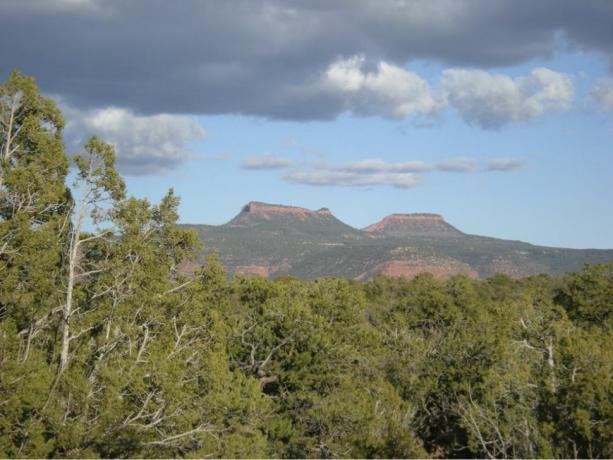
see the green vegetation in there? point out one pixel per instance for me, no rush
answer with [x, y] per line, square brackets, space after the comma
[107, 349]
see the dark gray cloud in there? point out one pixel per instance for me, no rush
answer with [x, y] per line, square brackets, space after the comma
[268, 58]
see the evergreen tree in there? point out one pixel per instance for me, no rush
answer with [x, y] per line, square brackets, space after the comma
[34, 214]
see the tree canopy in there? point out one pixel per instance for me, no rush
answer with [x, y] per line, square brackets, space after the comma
[110, 348]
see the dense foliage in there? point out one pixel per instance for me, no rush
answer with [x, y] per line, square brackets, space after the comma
[107, 348]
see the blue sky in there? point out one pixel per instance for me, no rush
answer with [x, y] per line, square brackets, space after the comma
[503, 125]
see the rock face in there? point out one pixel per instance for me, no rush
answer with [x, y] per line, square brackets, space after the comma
[412, 225]
[265, 211]
[272, 240]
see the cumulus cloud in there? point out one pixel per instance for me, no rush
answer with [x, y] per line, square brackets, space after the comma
[602, 95]
[352, 179]
[144, 144]
[265, 161]
[492, 101]
[488, 100]
[378, 172]
[388, 90]
[262, 58]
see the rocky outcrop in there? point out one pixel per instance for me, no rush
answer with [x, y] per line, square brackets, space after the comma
[396, 219]
[408, 225]
[265, 211]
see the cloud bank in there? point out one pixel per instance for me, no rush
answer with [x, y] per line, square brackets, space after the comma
[276, 59]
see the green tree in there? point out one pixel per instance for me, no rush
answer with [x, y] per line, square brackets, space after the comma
[99, 184]
[34, 214]
[588, 296]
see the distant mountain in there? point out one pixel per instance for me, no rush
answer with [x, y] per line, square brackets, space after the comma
[413, 225]
[273, 240]
[266, 239]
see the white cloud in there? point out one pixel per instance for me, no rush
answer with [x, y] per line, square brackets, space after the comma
[144, 144]
[352, 179]
[378, 172]
[388, 90]
[376, 165]
[492, 101]
[265, 161]
[488, 100]
[602, 95]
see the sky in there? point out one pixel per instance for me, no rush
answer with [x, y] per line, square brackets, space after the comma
[496, 114]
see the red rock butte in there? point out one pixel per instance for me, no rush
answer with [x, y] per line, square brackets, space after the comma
[403, 218]
[266, 211]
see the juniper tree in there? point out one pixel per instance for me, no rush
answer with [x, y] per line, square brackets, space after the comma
[98, 185]
[34, 210]
[34, 205]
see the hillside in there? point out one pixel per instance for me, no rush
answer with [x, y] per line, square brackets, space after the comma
[267, 240]
[272, 240]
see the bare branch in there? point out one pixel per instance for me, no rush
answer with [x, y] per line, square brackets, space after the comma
[170, 440]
